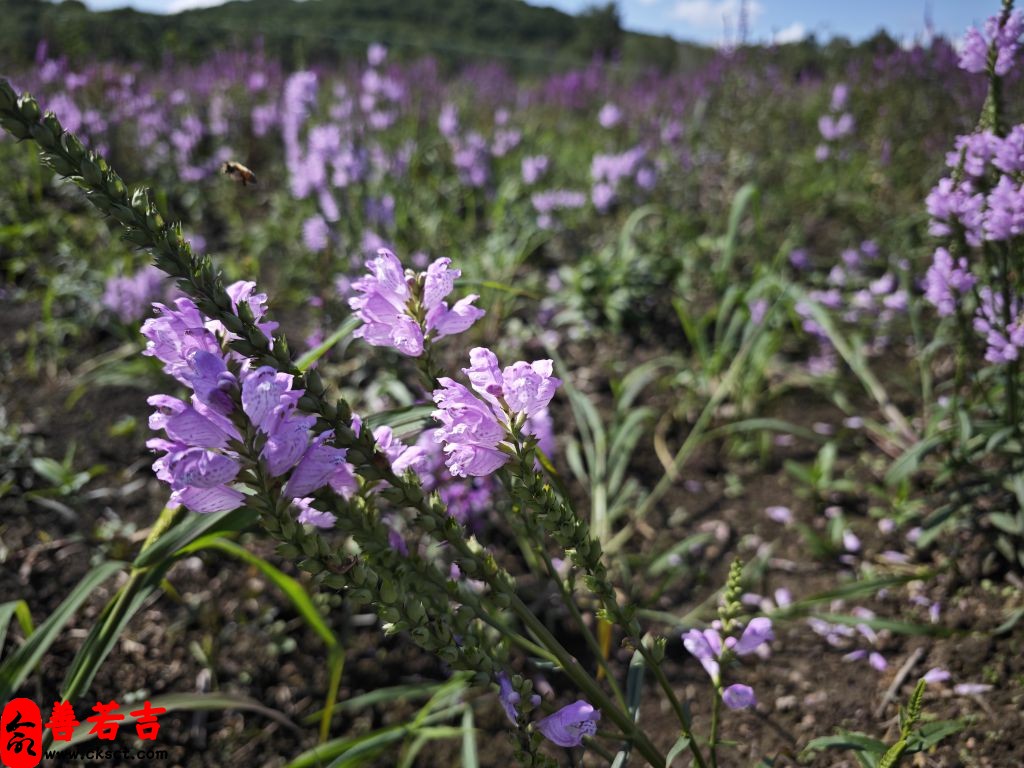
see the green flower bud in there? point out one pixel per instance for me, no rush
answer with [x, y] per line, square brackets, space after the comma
[8, 98]
[43, 135]
[116, 188]
[312, 565]
[29, 109]
[308, 545]
[50, 121]
[60, 165]
[421, 636]
[287, 551]
[389, 614]
[73, 147]
[136, 236]
[91, 172]
[15, 127]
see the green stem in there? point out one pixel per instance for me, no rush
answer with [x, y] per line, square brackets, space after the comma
[677, 707]
[588, 636]
[716, 712]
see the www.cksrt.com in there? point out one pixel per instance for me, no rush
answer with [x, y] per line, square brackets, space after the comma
[107, 754]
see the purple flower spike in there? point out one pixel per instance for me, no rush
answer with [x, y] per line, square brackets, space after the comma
[739, 696]
[570, 724]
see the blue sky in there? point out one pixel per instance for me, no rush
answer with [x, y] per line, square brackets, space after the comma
[705, 20]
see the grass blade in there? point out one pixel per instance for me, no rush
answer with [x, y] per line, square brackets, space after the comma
[20, 664]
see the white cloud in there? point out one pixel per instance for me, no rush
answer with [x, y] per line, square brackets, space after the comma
[794, 33]
[177, 6]
[648, 3]
[712, 13]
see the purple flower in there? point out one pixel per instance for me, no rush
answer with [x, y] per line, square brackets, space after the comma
[738, 696]
[706, 647]
[971, 689]
[319, 463]
[469, 431]
[1005, 38]
[130, 297]
[376, 54]
[603, 195]
[570, 724]
[176, 335]
[835, 128]
[839, 95]
[609, 116]
[1003, 342]
[385, 305]
[448, 121]
[309, 515]
[315, 233]
[758, 632]
[945, 281]
[936, 675]
[509, 698]
[533, 167]
[472, 429]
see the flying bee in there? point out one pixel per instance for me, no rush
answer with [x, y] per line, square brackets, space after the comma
[238, 172]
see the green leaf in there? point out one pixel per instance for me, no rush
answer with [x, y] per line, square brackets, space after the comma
[635, 684]
[469, 749]
[854, 741]
[899, 627]
[107, 629]
[908, 462]
[20, 664]
[190, 528]
[930, 734]
[665, 561]
[192, 702]
[682, 743]
[344, 330]
[15, 608]
[412, 418]
[291, 588]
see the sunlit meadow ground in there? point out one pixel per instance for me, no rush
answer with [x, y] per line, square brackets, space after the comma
[636, 227]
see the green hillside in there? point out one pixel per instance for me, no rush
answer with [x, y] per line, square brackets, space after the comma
[524, 36]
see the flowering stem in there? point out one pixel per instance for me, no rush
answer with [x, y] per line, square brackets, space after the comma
[525, 458]
[716, 712]
[587, 684]
[673, 700]
[588, 636]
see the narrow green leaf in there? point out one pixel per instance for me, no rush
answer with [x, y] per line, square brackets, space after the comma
[470, 758]
[344, 330]
[190, 528]
[682, 743]
[20, 664]
[18, 609]
[192, 702]
[291, 588]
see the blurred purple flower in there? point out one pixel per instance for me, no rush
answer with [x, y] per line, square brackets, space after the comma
[568, 726]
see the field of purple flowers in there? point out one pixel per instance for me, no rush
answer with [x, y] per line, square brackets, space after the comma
[762, 447]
